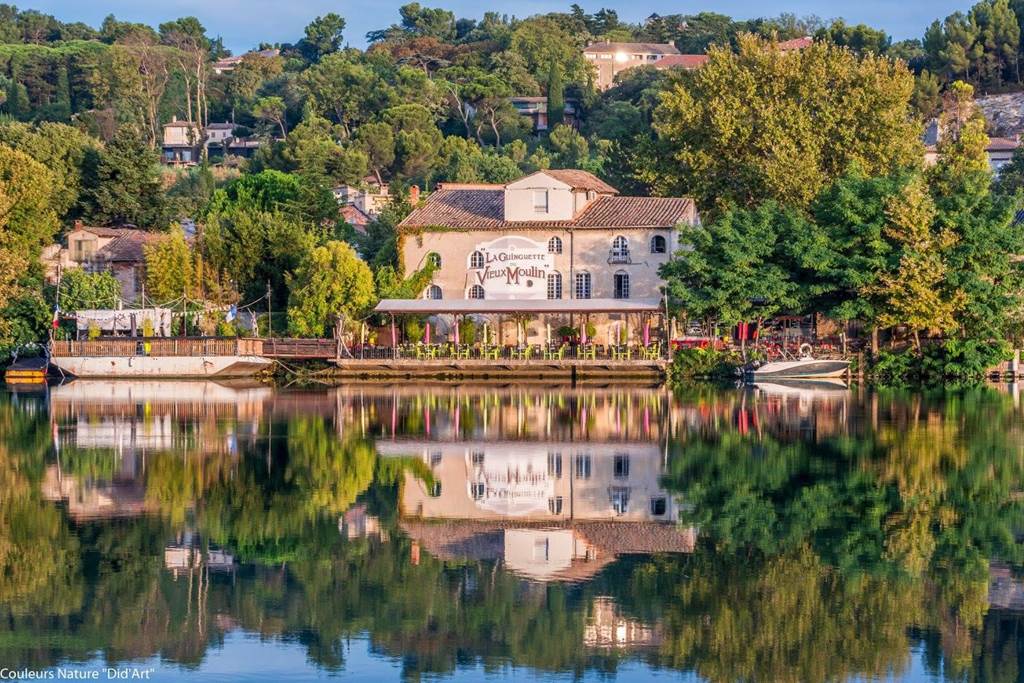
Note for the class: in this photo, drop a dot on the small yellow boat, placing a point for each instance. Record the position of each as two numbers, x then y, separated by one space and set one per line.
27 371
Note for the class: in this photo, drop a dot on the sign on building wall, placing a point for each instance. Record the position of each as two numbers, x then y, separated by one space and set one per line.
511 267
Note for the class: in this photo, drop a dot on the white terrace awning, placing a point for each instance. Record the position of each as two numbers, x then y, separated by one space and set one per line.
484 306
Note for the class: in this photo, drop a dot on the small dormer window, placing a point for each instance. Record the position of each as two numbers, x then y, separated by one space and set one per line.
591 195
540 201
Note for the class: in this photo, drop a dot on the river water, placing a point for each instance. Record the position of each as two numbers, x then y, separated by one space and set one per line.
202 531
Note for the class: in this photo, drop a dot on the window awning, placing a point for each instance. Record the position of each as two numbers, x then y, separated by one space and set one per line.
484 306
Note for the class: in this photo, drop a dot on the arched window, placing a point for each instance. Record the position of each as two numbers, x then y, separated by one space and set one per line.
622 285
476 260
620 249
476 292
658 245
433 292
555 245
434 259
583 285
555 285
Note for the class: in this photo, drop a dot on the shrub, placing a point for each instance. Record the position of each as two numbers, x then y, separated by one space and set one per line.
708 363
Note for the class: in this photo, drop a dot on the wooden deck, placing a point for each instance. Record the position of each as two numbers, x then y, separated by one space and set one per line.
535 369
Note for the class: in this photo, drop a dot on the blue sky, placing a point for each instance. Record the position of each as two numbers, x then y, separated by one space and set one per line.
244 23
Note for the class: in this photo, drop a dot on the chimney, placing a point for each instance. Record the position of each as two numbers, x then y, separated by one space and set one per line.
414 195
78 224
174 117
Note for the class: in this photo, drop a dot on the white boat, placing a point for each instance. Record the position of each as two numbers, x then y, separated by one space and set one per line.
804 367
160 358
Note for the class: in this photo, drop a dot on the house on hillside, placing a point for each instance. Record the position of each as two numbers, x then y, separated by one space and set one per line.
228 64
536 109
609 58
999 150
120 251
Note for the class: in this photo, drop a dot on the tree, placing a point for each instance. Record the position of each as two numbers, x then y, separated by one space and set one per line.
761 124
927 97
80 289
323 36
377 141
170 269
271 110
125 187
915 294
556 96
64 150
732 270
332 281
27 223
861 39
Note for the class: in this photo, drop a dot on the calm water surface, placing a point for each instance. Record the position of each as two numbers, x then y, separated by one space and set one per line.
205 531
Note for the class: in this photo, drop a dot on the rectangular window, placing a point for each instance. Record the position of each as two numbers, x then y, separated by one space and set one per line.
540 201
555 505
659 506
582 285
583 467
478 458
620 500
478 490
621 285
555 465
540 550
621 466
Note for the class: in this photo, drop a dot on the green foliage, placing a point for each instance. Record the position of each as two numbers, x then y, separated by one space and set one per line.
752 125
953 361
80 289
735 268
125 186
170 268
707 363
331 282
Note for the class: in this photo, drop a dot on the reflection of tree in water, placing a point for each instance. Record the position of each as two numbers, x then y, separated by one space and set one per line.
852 543
914 503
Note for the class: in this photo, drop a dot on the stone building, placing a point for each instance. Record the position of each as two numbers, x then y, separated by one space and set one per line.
555 235
609 58
120 251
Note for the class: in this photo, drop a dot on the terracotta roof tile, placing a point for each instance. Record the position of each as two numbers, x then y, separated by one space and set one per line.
684 61
129 246
580 180
484 208
795 43
642 48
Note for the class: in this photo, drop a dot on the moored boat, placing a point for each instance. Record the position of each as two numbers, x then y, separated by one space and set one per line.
804 367
160 358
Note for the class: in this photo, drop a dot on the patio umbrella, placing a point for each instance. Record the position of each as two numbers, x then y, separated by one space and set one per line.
583 333
611 331
519 334
427 334
549 333
456 331
674 331
362 335
647 333
394 333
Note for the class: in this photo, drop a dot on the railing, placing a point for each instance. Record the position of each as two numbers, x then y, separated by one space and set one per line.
159 346
539 354
300 348
615 257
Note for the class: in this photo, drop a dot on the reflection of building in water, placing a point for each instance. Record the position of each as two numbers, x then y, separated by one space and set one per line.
606 628
186 554
569 551
358 523
120 496
536 481
449 413
1005 589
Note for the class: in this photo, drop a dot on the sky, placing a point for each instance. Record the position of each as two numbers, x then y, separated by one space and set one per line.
245 23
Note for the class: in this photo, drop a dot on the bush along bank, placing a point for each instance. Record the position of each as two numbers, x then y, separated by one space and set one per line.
703 364
954 361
